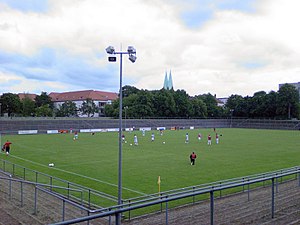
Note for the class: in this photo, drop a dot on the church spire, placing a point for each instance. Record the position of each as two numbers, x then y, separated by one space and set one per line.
166 81
170 83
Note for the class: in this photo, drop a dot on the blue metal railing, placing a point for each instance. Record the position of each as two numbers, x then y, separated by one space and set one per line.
271 176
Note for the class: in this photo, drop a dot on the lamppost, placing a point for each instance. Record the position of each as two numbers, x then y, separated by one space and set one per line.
132 57
125 108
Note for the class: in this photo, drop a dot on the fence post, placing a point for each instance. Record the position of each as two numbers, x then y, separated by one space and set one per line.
22 203
24 172
167 216
51 183
88 213
248 190
160 203
63 210
109 218
129 214
89 198
273 200
68 190
212 207
35 199
193 195
276 184
10 189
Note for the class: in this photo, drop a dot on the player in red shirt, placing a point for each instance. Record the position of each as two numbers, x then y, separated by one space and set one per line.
199 137
6 147
193 157
209 140
217 138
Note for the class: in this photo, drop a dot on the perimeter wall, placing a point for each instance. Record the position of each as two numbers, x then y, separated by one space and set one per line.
44 125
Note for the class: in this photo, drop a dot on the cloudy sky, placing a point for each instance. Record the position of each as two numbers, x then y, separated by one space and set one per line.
221 47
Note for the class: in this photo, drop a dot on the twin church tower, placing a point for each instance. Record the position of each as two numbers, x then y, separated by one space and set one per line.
168 83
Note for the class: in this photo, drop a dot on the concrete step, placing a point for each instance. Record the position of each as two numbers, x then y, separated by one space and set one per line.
49 208
10 214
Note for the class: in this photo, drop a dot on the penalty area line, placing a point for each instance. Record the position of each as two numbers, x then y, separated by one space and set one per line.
80 175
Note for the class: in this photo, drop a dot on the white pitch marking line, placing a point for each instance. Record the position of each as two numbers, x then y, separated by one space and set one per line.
80 175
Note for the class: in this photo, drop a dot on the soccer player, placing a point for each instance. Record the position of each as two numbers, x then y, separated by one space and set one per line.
217 138
123 137
143 132
152 137
6 147
187 138
209 140
75 135
199 137
193 157
135 140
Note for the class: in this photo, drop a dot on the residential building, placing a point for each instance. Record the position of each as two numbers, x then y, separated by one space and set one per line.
221 101
27 95
100 98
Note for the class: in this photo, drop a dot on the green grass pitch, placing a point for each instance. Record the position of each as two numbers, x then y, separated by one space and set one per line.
92 160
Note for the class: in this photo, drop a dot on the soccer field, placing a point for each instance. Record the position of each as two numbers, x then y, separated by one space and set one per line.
92 160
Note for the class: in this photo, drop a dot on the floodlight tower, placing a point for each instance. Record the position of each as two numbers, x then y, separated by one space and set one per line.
112 58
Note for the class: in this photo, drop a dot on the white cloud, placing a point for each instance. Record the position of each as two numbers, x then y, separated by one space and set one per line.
234 52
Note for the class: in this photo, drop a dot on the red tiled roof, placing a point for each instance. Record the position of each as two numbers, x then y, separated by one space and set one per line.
24 95
83 95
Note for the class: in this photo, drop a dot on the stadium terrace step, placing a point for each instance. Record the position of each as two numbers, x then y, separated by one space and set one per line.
49 208
12 215
287 218
236 209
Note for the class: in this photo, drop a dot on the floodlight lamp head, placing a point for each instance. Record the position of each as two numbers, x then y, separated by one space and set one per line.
110 50
131 50
132 58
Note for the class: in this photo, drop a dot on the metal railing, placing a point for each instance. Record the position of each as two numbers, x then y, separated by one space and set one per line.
92 198
271 177
16 188
129 205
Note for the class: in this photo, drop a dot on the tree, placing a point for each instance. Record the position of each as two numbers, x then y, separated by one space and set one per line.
199 108
163 103
129 90
288 101
235 103
256 104
110 109
43 111
10 104
88 107
67 109
44 99
142 105
28 106
183 104
270 103
211 104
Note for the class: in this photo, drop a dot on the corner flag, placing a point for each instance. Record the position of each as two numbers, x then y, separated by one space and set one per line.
158 182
